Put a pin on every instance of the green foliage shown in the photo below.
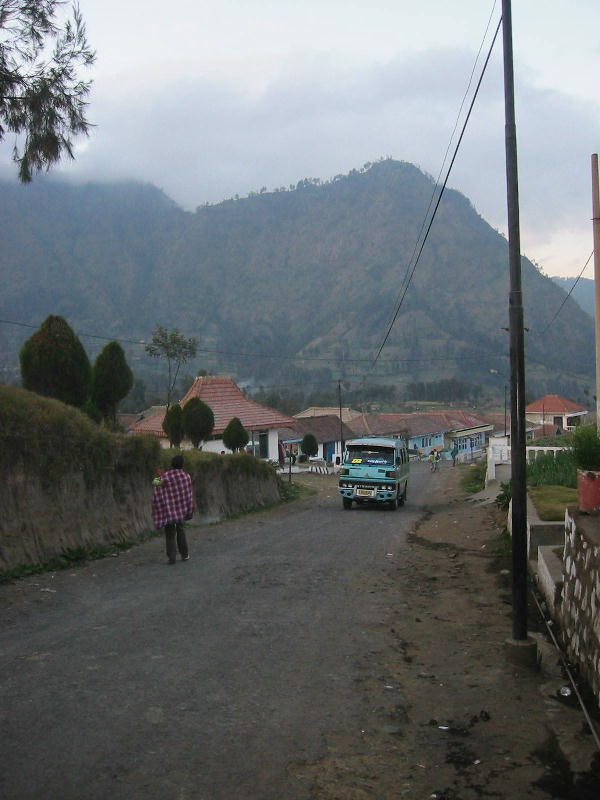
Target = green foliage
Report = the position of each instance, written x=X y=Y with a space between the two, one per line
x=446 y=390
x=235 y=436
x=305 y=244
x=111 y=380
x=51 y=439
x=42 y=97
x=552 y=469
x=91 y=410
x=198 y=421
x=504 y=497
x=586 y=448
x=54 y=363
x=173 y=347
x=309 y=445
x=473 y=479
x=173 y=424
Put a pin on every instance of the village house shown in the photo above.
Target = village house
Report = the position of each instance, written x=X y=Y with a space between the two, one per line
x=327 y=430
x=226 y=401
x=555 y=414
x=429 y=430
x=327 y=411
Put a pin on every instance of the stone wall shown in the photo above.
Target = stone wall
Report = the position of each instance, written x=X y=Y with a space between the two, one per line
x=578 y=611
x=44 y=516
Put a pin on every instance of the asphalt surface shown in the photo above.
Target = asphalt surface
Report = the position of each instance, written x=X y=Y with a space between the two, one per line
x=127 y=678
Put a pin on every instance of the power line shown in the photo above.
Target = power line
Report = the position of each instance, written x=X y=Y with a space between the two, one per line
x=241 y=354
x=411 y=272
x=568 y=295
x=437 y=182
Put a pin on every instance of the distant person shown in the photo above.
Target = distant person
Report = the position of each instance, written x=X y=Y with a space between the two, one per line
x=431 y=459
x=437 y=459
x=172 y=503
x=454 y=454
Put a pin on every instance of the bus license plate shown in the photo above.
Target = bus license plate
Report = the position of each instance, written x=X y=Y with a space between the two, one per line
x=364 y=492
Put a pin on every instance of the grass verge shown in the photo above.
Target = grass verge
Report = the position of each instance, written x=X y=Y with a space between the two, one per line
x=73 y=556
x=473 y=479
x=550 y=501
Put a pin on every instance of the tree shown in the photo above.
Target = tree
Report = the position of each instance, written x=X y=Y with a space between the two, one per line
x=54 y=363
x=175 y=348
x=111 y=380
x=42 y=98
x=198 y=421
x=173 y=425
x=235 y=436
x=309 y=445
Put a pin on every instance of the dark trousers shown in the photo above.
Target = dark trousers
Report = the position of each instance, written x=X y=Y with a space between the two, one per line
x=175 y=531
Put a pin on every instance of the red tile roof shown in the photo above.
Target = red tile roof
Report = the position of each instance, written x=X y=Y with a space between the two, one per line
x=553 y=404
x=226 y=401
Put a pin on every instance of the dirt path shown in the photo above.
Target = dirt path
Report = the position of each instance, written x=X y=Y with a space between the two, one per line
x=446 y=716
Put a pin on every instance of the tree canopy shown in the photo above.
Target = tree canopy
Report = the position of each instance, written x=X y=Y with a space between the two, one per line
x=42 y=98
x=309 y=445
x=198 y=421
x=175 y=348
x=54 y=363
x=173 y=424
x=235 y=436
x=111 y=380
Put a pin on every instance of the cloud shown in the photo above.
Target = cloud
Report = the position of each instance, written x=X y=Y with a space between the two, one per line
x=204 y=139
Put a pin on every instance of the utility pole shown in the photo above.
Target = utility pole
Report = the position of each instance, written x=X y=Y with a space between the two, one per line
x=596 y=227
x=521 y=648
x=342 y=443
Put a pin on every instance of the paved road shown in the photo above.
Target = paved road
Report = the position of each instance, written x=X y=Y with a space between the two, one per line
x=209 y=680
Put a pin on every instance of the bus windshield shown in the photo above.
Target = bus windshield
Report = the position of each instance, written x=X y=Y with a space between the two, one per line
x=370 y=455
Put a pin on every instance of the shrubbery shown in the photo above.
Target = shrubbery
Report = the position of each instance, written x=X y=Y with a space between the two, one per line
x=552 y=469
x=51 y=439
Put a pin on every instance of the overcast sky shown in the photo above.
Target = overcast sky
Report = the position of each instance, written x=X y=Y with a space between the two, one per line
x=211 y=98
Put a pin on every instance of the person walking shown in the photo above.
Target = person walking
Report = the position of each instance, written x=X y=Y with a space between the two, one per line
x=431 y=459
x=454 y=453
x=172 y=504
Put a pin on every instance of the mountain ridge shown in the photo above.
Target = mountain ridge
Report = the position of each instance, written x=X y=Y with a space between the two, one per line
x=314 y=272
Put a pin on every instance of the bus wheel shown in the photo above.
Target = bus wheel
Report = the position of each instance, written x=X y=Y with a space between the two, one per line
x=394 y=503
x=347 y=503
x=402 y=498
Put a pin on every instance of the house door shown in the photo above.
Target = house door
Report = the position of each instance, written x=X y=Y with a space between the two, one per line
x=328 y=448
x=263 y=444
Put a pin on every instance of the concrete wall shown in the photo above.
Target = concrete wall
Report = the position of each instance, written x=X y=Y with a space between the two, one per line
x=578 y=612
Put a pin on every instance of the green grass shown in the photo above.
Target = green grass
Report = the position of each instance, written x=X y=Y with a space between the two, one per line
x=500 y=545
x=473 y=479
x=552 y=469
x=550 y=501
x=74 y=556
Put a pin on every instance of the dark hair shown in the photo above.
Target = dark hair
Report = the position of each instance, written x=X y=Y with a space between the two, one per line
x=177 y=462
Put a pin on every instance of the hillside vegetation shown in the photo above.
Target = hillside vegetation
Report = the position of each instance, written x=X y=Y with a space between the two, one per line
x=313 y=272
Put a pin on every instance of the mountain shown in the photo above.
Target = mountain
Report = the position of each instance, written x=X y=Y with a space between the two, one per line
x=316 y=273
x=583 y=293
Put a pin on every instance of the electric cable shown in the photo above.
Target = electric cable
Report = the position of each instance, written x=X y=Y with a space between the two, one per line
x=437 y=181
x=567 y=297
x=420 y=250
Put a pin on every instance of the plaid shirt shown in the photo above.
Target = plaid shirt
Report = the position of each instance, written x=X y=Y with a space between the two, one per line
x=173 y=500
